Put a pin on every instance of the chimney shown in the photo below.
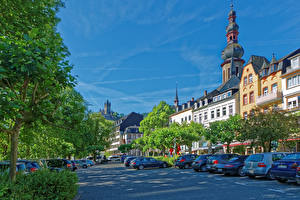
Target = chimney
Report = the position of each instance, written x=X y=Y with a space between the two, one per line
x=205 y=92
x=192 y=99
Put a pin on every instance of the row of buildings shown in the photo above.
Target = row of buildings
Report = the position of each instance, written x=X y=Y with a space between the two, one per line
x=126 y=129
x=246 y=86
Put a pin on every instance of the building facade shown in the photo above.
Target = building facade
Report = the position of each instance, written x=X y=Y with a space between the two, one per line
x=124 y=126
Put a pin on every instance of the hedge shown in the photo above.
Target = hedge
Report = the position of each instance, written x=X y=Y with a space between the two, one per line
x=40 y=185
x=169 y=160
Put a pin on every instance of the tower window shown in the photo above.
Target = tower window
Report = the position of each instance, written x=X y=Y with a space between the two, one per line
x=234 y=37
x=230 y=37
x=228 y=73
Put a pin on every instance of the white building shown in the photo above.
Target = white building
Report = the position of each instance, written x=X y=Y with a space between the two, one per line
x=291 y=81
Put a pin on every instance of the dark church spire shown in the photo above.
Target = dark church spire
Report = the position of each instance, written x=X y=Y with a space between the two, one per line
x=176 y=101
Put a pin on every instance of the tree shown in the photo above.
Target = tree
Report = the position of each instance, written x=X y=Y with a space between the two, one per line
x=125 y=148
x=33 y=67
x=157 y=118
x=264 y=128
x=225 y=131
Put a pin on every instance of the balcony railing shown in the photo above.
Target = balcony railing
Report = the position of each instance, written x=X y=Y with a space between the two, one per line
x=268 y=98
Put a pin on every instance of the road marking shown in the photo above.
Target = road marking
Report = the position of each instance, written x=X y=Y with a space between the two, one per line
x=239 y=183
x=280 y=191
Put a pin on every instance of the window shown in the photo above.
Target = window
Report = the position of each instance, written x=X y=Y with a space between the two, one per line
x=245 y=115
x=295 y=63
x=229 y=94
x=265 y=91
x=215 y=99
x=293 y=81
x=200 y=118
x=224 y=111
x=252 y=113
x=292 y=104
x=245 y=99
x=250 y=78
x=228 y=73
x=218 y=112
x=245 y=80
x=251 y=100
x=205 y=115
x=190 y=118
x=274 y=88
x=212 y=114
x=274 y=68
x=195 y=118
x=230 y=110
x=219 y=97
x=181 y=119
x=224 y=96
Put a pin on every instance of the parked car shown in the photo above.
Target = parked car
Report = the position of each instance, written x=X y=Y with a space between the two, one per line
x=235 y=166
x=199 y=163
x=90 y=162
x=31 y=166
x=81 y=164
x=101 y=159
x=216 y=159
x=146 y=162
x=185 y=161
x=74 y=165
x=128 y=159
x=287 y=168
x=123 y=157
x=114 y=158
x=20 y=167
x=59 y=164
x=85 y=162
x=260 y=164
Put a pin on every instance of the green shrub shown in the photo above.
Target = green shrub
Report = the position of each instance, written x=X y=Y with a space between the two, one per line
x=169 y=160
x=40 y=185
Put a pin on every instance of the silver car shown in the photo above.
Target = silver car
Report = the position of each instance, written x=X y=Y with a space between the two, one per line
x=261 y=163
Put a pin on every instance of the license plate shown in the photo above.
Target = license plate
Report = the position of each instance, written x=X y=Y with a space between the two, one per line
x=220 y=170
x=282 y=166
x=251 y=171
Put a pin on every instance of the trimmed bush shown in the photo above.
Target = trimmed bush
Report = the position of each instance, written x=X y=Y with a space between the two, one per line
x=40 y=185
x=169 y=160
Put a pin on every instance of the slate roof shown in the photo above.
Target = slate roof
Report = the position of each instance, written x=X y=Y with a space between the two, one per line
x=232 y=83
x=258 y=62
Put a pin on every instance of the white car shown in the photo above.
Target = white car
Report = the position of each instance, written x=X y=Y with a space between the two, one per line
x=114 y=158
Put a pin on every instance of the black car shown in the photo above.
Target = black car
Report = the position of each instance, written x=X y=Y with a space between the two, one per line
x=128 y=159
x=184 y=162
x=214 y=160
x=234 y=166
x=146 y=162
x=59 y=164
x=199 y=163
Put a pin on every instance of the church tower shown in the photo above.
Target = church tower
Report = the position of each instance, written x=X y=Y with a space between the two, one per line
x=107 y=108
x=176 y=101
x=233 y=52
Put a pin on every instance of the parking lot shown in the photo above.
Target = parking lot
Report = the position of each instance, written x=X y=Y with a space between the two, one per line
x=114 y=181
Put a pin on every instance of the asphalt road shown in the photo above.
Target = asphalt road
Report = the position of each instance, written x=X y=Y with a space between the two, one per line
x=114 y=181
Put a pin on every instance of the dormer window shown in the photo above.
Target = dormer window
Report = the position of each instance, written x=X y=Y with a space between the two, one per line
x=219 y=97
x=224 y=96
x=215 y=99
x=295 y=62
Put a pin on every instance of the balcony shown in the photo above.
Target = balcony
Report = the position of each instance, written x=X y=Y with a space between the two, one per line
x=268 y=98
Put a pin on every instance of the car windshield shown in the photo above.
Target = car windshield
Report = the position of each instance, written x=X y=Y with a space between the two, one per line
x=294 y=156
x=255 y=158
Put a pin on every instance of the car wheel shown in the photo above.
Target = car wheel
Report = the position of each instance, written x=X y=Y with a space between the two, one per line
x=165 y=165
x=141 y=167
x=270 y=176
x=203 y=168
x=196 y=170
x=251 y=176
x=240 y=172
x=282 y=180
x=186 y=166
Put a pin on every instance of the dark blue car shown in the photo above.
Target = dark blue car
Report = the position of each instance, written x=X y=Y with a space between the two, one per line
x=145 y=162
x=287 y=168
x=200 y=163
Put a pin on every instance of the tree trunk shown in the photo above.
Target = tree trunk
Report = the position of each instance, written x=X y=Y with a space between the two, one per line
x=228 y=148
x=14 y=150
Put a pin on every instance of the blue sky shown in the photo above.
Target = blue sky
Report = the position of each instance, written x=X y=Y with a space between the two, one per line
x=132 y=52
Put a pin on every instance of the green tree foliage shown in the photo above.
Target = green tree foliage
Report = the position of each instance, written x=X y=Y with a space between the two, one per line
x=157 y=118
x=264 y=128
x=224 y=131
x=34 y=70
x=125 y=148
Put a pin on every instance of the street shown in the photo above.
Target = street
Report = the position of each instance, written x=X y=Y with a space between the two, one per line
x=114 y=181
